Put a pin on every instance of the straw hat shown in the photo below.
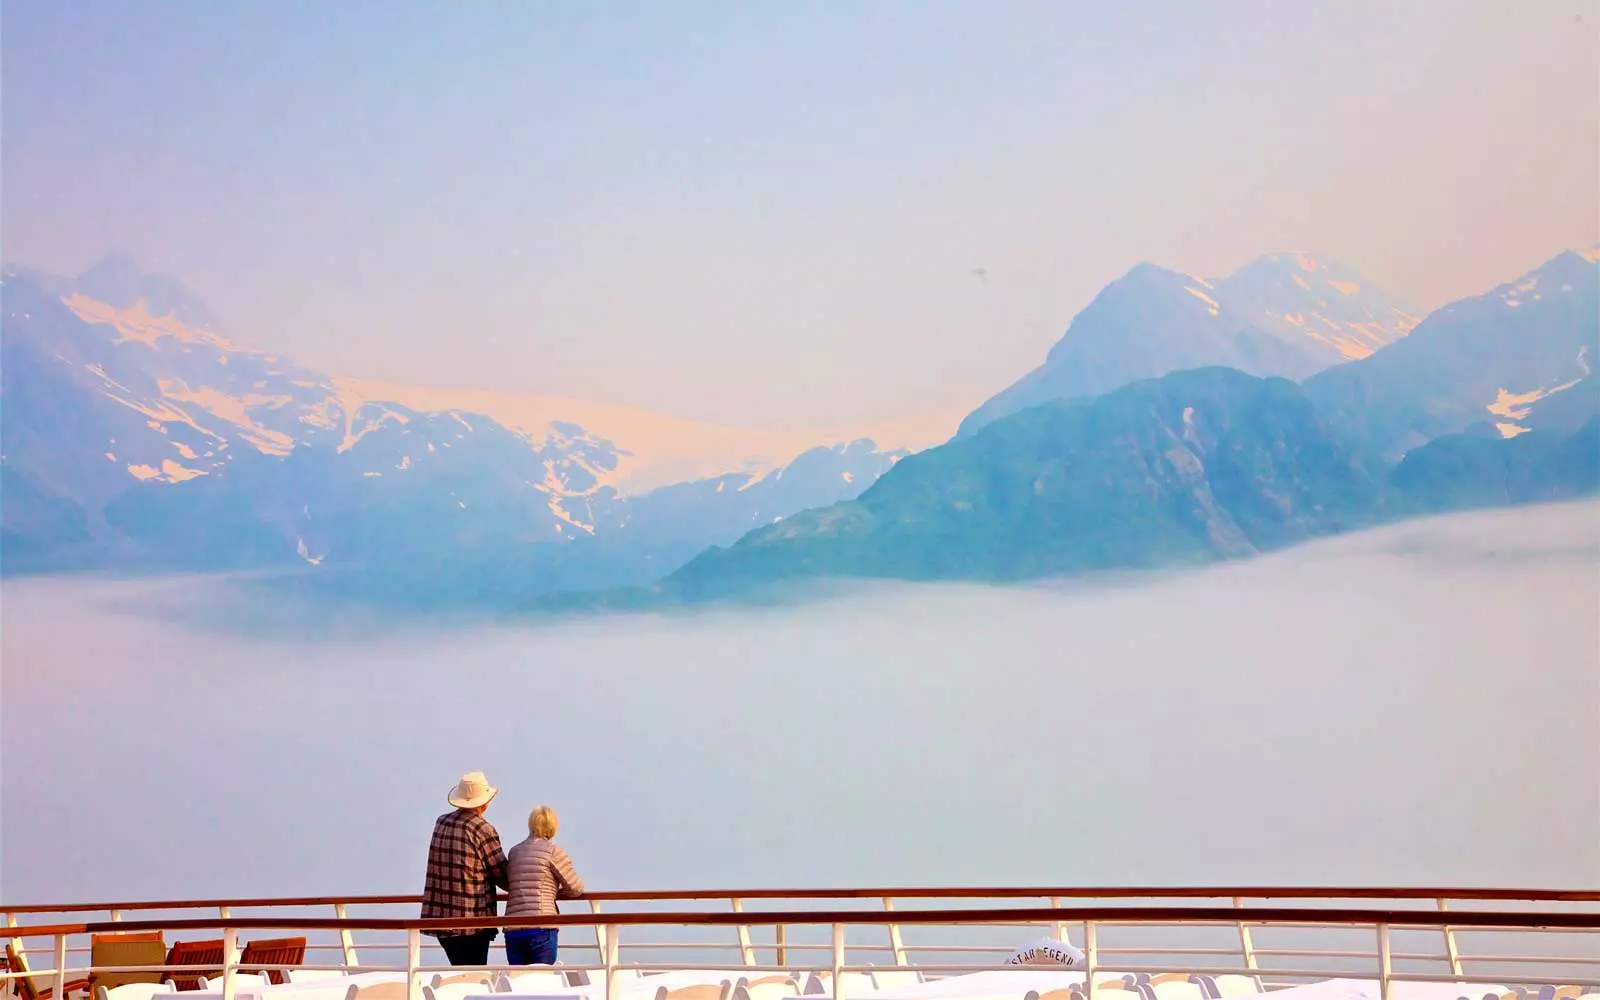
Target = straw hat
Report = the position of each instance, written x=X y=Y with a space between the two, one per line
x=472 y=791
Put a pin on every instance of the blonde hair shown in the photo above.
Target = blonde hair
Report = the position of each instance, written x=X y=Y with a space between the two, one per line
x=542 y=822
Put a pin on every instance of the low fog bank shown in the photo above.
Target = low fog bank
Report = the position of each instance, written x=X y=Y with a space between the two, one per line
x=1418 y=705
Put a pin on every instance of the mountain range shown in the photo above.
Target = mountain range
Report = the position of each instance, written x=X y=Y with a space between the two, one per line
x=1178 y=420
x=1216 y=463
x=138 y=437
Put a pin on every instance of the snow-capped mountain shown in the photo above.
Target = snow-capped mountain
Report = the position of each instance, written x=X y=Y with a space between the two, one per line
x=125 y=401
x=1521 y=356
x=1288 y=314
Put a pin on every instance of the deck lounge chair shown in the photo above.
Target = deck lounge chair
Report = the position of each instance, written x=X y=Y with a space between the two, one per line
x=854 y=983
x=274 y=951
x=704 y=991
x=531 y=982
x=1230 y=985
x=766 y=988
x=298 y=976
x=1173 y=986
x=895 y=979
x=32 y=987
x=110 y=950
x=242 y=982
x=132 y=991
x=475 y=978
x=205 y=954
x=456 y=991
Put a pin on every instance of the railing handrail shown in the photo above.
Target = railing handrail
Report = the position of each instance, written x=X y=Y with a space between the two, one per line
x=895 y=892
x=1575 y=920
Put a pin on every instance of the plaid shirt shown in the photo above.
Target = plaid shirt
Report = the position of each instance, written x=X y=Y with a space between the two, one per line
x=465 y=865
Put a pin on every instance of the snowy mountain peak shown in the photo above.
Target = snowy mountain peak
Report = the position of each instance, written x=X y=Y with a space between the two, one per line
x=1291 y=313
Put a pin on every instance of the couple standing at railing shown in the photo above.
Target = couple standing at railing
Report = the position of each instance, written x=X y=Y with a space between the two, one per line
x=466 y=867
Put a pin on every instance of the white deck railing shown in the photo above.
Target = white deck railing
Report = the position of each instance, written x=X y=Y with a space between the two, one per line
x=1511 y=937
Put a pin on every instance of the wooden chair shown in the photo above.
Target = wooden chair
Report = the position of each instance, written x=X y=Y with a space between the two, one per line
x=205 y=954
x=274 y=951
x=110 y=950
x=27 y=988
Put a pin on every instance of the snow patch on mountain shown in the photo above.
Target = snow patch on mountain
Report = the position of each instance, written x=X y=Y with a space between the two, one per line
x=653 y=449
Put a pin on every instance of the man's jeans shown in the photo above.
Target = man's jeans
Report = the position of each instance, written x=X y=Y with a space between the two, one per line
x=468 y=949
x=531 y=946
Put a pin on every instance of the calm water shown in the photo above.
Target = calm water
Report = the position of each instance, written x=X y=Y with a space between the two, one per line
x=1418 y=705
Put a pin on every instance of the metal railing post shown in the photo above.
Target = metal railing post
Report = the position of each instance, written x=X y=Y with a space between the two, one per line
x=780 y=938
x=1450 y=943
x=1247 y=946
x=116 y=916
x=612 y=950
x=230 y=961
x=838 y=962
x=1385 y=962
x=61 y=966
x=1091 y=957
x=747 y=954
x=895 y=944
x=413 y=960
x=347 y=941
x=1061 y=928
x=599 y=932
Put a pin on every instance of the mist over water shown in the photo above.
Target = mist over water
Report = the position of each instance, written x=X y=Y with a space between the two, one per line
x=1417 y=705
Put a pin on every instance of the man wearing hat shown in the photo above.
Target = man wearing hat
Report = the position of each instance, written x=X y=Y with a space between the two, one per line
x=465 y=867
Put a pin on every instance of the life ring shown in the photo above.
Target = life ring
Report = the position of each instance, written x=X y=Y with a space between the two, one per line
x=1047 y=951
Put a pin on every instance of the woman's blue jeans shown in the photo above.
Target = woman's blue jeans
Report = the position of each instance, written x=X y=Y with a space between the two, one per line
x=531 y=946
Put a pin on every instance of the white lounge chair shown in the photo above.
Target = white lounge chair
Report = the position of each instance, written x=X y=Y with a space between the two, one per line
x=133 y=991
x=765 y=988
x=470 y=978
x=542 y=981
x=297 y=976
x=457 y=990
x=1174 y=986
x=854 y=984
x=243 y=982
x=895 y=979
x=701 y=991
x=1231 y=985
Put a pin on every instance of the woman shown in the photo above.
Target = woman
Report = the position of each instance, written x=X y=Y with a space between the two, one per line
x=539 y=873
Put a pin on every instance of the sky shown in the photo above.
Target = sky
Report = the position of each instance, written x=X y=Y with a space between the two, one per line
x=769 y=215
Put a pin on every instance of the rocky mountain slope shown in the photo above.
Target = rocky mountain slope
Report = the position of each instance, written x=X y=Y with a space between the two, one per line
x=1192 y=467
x=1285 y=314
